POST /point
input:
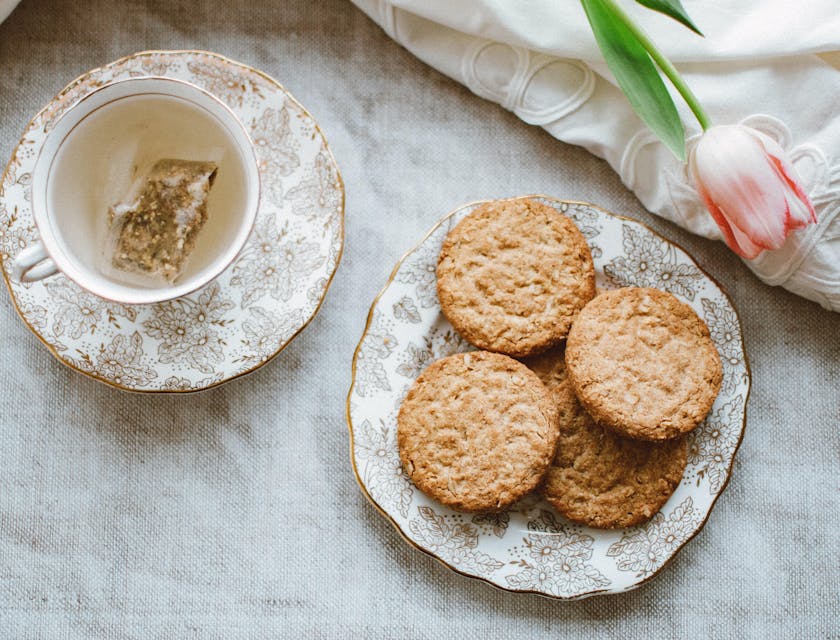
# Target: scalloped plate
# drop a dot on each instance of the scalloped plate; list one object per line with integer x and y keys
{"x": 530, "y": 548}
{"x": 248, "y": 314}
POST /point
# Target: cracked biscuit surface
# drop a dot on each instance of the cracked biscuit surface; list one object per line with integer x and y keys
{"x": 642, "y": 362}
{"x": 477, "y": 431}
{"x": 599, "y": 478}
{"x": 513, "y": 274}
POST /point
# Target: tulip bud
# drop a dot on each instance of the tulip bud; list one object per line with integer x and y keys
{"x": 749, "y": 187}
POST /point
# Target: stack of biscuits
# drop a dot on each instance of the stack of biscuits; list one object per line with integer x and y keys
{"x": 586, "y": 398}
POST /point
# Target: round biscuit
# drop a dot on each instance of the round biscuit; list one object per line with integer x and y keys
{"x": 512, "y": 275}
{"x": 643, "y": 363}
{"x": 477, "y": 431}
{"x": 599, "y": 478}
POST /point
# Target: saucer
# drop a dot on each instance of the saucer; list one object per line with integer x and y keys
{"x": 245, "y": 317}
{"x": 530, "y": 548}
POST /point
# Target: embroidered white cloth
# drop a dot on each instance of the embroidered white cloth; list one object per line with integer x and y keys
{"x": 758, "y": 64}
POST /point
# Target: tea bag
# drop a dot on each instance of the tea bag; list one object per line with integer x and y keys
{"x": 153, "y": 231}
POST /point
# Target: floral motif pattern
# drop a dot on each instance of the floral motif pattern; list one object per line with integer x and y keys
{"x": 14, "y": 237}
{"x": 13, "y": 241}
{"x": 586, "y": 220}
{"x": 452, "y": 540}
{"x": 439, "y": 343}
{"x": 174, "y": 383}
{"x": 276, "y": 148}
{"x": 407, "y": 332}
{"x": 7, "y": 180}
{"x": 252, "y": 310}
{"x": 495, "y": 522}
{"x": 384, "y": 473}
{"x": 370, "y": 371}
{"x": 421, "y": 272}
{"x": 726, "y": 334}
{"x": 221, "y": 79}
{"x": 36, "y": 313}
{"x": 713, "y": 443}
{"x": 122, "y": 360}
{"x": 405, "y": 309}
{"x": 649, "y": 262}
{"x": 274, "y": 264}
{"x": 316, "y": 197}
{"x": 77, "y": 312}
{"x": 189, "y": 330}
{"x": 265, "y": 333}
{"x": 650, "y": 546}
{"x": 558, "y": 562}
{"x": 153, "y": 66}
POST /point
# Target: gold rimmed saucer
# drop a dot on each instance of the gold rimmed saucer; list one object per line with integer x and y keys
{"x": 247, "y": 315}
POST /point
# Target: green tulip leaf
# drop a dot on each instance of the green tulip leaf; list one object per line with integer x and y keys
{"x": 672, "y": 9}
{"x": 637, "y": 75}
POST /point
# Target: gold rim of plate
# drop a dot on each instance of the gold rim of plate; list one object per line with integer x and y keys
{"x": 369, "y": 320}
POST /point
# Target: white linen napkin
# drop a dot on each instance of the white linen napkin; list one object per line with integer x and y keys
{"x": 757, "y": 65}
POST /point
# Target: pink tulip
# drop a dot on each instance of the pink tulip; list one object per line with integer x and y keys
{"x": 750, "y": 188}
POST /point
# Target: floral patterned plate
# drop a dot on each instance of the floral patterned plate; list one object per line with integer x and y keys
{"x": 253, "y": 310}
{"x": 531, "y": 548}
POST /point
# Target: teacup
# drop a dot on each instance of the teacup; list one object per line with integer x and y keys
{"x": 90, "y": 158}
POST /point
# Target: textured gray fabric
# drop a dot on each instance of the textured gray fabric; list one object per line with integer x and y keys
{"x": 235, "y": 513}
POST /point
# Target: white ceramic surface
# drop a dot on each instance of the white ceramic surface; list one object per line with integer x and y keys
{"x": 244, "y": 317}
{"x": 74, "y": 256}
{"x": 530, "y": 548}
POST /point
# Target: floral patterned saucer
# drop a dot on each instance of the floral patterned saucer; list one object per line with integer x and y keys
{"x": 247, "y": 315}
{"x": 531, "y": 548}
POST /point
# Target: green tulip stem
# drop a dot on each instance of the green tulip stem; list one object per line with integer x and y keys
{"x": 664, "y": 64}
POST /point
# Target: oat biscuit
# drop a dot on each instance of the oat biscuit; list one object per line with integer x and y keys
{"x": 643, "y": 363}
{"x": 477, "y": 431}
{"x": 512, "y": 275}
{"x": 599, "y": 478}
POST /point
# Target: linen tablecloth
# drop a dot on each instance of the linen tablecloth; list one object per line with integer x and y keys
{"x": 235, "y": 513}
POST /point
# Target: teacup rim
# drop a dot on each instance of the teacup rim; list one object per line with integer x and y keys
{"x": 176, "y": 291}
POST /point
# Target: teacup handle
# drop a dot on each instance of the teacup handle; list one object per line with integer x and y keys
{"x": 33, "y": 264}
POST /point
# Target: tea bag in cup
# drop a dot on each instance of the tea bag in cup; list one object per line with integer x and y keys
{"x": 152, "y": 232}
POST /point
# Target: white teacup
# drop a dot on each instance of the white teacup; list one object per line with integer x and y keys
{"x": 88, "y": 162}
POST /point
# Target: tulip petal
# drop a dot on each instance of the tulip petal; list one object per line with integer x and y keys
{"x": 738, "y": 177}
{"x": 750, "y": 188}
{"x": 748, "y": 248}
{"x": 802, "y": 210}
{"x": 740, "y": 244}
{"x": 802, "y": 213}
